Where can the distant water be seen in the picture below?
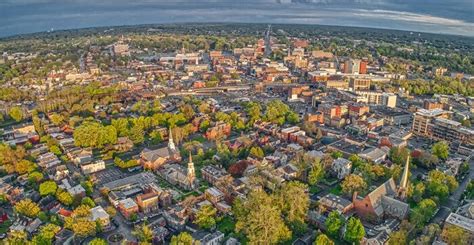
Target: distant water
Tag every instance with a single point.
(18, 18)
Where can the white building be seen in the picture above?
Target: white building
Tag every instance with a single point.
(342, 167)
(93, 167)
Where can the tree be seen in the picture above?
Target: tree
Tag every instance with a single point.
(183, 239)
(143, 233)
(440, 149)
(334, 223)
(27, 207)
(423, 213)
(398, 155)
(56, 119)
(35, 177)
(98, 241)
(80, 222)
(206, 217)
(16, 238)
(48, 231)
(257, 152)
(137, 134)
(316, 173)
(455, 235)
(24, 166)
(354, 231)
(88, 202)
(440, 184)
(94, 134)
(64, 197)
(260, 219)
(336, 154)
(16, 113)
(294, 203)
(398, 238)
(322, 239)
(55, 149)
(353, 183)
(48, 188)
(418, 191)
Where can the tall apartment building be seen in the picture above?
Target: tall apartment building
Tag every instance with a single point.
(352, 66)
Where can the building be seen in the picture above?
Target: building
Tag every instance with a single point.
(154, 159)
(177, 175)
(376, 155)
(213, 174)
(466, 224)
(89, 168)
(352, 66)
(333, 202)
(432, 104)
(128, 207)
(99, 214)
(359, 83)
(422, 120)
(381, 203)
(341, 167)
(220, 129)
(379, 98)
(148, 202)
(435, 125)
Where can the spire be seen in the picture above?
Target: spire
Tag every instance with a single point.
(171, 145)
(191, 173)
(404, 180)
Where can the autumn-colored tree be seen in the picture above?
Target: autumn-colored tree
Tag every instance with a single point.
(260, 219)
(144, 233)
(183, 239)
(322, 239)
(293, 200)
(206, 217)
(455, 235)
(398, 238)
(48, 188)
(64, 197)
(80, 222)
(353, 183)
(27, 207)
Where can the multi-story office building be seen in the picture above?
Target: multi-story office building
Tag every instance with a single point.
(379, 98)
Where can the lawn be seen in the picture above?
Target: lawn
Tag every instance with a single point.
(336, 190)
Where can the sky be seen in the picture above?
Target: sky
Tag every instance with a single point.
(434, 16)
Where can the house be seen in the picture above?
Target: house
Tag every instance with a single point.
(341, 167)
(92, 167)
(214, 195)
(333, 202)
(220, 129)
(206, 238)
(99, 214)
(212, 174)
(376, 155)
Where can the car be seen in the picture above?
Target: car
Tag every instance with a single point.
(3, 235)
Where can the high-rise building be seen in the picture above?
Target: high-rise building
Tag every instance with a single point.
(379, 98)
(352, 66)
(363, 67)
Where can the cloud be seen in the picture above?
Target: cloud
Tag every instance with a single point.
(23, 16)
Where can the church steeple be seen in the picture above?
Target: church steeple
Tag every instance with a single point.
(191, 173)
(171, 145)
(402, 189)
